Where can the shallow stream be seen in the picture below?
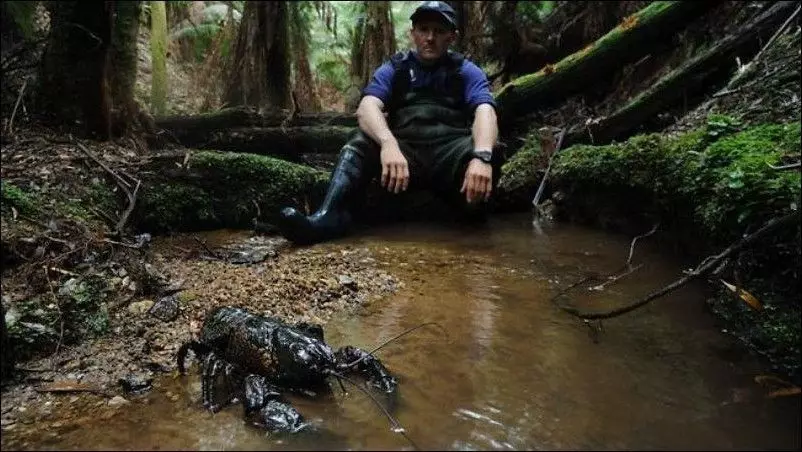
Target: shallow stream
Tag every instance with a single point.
(513, 371)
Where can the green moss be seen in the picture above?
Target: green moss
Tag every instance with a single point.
(173, 206)
(521, 169)
(24, 202)
(713, 185)
(223, 189)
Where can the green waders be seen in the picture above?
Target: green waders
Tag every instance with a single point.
(434, 136)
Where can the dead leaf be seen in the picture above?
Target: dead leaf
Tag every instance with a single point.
(548, 69)
(771, 380)
(784, 392)
(629, 22)
(750, 299)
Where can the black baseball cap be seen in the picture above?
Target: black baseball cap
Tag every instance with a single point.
(441, 9)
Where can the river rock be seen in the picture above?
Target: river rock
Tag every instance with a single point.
(166, 309)
(347, 282)
(140, 307)
(136, 383)
(118, 401)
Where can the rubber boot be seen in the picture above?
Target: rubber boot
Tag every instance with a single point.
(332, 218)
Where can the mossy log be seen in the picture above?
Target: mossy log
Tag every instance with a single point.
(627, 42)
(181, 126)
(212, 189)
(289, 143)
(686, 80)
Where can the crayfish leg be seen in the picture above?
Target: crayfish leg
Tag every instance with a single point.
(265, 408)
(212, 366)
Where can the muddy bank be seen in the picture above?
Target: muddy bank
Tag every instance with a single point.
(143, 336)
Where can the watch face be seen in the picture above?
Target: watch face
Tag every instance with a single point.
(485, 156)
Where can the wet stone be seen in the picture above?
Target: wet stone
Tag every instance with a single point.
(166, 309)
(136, 383)
(347, 282)
(118, 401)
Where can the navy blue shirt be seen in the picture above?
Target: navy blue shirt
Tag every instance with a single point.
(477, 88)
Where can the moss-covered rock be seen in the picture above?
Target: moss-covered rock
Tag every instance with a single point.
(708, 187)
(520, 175)
(224, 189)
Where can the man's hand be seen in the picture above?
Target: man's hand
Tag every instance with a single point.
(395, 169)
(478, 181)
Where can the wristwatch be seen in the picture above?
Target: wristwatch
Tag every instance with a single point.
(483, 155)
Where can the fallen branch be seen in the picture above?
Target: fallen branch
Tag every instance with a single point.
(703, 269)
(60, 317)
(129, 209)
(10, 127)
(124, 186)
(206, 247)
(612, 279)
(749, 67)
(536, 199)
(785, 167)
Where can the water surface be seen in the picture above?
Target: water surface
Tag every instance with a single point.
(513, 372)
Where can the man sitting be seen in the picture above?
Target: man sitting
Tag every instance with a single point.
(439, 132)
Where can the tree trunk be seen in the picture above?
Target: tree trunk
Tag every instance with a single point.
(375, 41)
(625, 43)
(74, 76)
(89, 67)
(259, 74)
(304, 85)
(158, 50)
(686, 80)
(471, 17)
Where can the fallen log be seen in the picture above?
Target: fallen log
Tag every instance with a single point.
(629, 41)
(285, 143)
(684, 81)
(249, 117)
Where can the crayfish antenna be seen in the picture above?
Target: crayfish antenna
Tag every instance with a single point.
(396, 426)
(388, 341)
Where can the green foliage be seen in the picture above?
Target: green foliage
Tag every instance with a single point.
(718, 125)
(83, 306)
(32, 326)
(23, 13)
(534, 12)
(14, 196)
(35, 325)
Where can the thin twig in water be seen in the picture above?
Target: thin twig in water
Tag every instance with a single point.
(708, 265)
(632, 245)
(612, 279)
(539, 193)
